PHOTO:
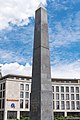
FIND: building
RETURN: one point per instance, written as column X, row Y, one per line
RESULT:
column 15, row 96
column 66, row 97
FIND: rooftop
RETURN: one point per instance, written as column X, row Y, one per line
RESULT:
column 52, row 79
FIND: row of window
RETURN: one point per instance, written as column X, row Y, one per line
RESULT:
column 20, row 78
column 2, row 86
column 26, row 87
column 67, row 96
column 12, row 115
column 67, row 89
column 56, row 105
column 22, row 103
column 62, row 81
column 22, row 94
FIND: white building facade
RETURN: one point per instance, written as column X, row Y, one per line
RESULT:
column 15, row 97
column 66, row 97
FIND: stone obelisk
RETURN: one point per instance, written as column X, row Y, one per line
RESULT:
column 41, row 91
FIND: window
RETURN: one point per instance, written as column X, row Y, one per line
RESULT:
column 72, row 96
column 57, row 104
column 12, row 115
column 17, row 77
column 0, row 104
column 62, row 96
column 72, row 105
column 53, row 96
column 62, row 105
column 77, row 89
column 1, row 115
column 62, row 89
column 0, row 94
column 3, row 86
column 67, row 81
column 57, row 88
column 53, row 88
column 67, row 96
column 22, row 78
column 27, row 87
column 3, row 103
column 67, row 105
column 67, row 89
column 3, row 94
column 21, row 86
column 72, row 89
column 0, row 86
column 21, row 94
column 26, row 104
column 26, row 94
column 57, row 96
column 77, row 105
column 23, row 114
column 77, row 96
column 21, row 103
column 53, row 105
column 59, row 81
column 12, row 77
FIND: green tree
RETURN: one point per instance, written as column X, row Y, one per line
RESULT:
column 26, row 118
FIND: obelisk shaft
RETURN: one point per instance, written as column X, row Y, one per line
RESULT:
column 41, row 93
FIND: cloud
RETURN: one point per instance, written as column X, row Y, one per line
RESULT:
column 8, row 57
column 17, row 11
column 64, row 32
column 16, row 69
column 66, row 70
column 64, row 4
column 16, row 44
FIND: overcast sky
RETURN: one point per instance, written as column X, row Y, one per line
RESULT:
column 17, row 35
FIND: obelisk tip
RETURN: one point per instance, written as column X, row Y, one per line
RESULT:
column 41, row 6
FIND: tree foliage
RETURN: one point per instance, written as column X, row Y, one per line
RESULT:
column 63, row 118
column 26, row 118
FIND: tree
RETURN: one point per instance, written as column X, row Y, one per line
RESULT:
column 26, row 118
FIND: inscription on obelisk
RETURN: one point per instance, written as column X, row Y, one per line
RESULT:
column 41, row 90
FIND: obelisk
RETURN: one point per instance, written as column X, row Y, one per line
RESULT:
column 41, row 90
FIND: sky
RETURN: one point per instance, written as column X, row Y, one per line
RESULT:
column 17, row 19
